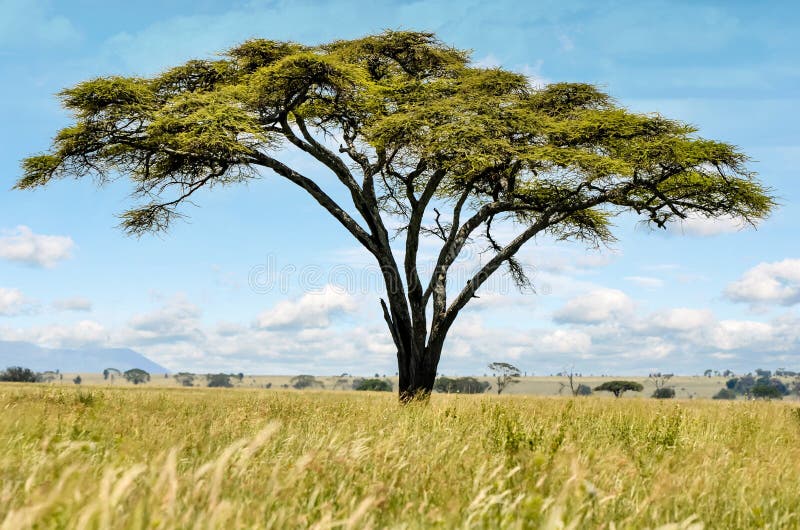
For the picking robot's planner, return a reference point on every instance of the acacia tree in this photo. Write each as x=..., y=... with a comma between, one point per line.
x=412, y=131
x=506, y=374
x=619, y=387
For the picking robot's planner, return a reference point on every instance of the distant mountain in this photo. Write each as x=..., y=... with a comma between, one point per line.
x=88, y=360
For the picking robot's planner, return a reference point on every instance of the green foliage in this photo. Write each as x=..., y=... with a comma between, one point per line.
x=746, y=385
x=619, y=387
x=766, y=391
x=583, y=390
x=208, y=123
x=305, y=381
x=136, y=376
x=374, y=385
x=19, y=374
x=725, y=393
x=664, y=393
x=77, y=380
x=219, y=380
x=460, y=385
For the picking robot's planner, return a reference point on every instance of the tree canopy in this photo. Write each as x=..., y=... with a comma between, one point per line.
x=136, y=376
x=409, y=127
x=619, y=387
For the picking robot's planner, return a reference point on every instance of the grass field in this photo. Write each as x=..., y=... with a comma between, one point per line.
x=76, y=457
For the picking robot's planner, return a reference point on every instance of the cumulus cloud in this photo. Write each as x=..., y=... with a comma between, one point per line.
x=566, y=341
x=707, y=226
x=176, y=320
x=741, y=334
x=595, y=307
x=23, y=246
x=678, y=319
x=81, y=334
x=13, y=302
x=75, y=303
x=768, y=283
x=312, y=310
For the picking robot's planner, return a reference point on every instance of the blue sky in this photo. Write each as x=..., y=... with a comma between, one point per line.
x=249, y=282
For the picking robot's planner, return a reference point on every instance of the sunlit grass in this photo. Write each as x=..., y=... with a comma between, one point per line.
x=164, y=458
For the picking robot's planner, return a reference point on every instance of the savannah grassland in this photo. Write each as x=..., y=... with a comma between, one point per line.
x=125, y=457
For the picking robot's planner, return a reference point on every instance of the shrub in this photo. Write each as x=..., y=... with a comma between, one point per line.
x=375, y=385
x=219, y=380
x=725, y=393
x=766, y=391
x=184, y=378
x=460, y=385
x=664, y=393
x=583, y=390
x=305, y=381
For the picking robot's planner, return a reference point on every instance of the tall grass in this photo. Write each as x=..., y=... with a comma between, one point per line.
x=144, y=458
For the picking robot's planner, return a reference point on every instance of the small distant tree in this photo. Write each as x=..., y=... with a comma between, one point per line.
x=77, y=380
x=619, y=387
x=240, y=376
x=460, y=385
x=184, y=378
x=505, y=374
x=136, y=376
x=19, y=374
x=306, y=381
x=575, y=388
x=374, y=385
x=763, y=373
x=111, y=373
x=708, y=372
x=725, y=393
x=219, y=380
x=664, y=393
x=48, y=376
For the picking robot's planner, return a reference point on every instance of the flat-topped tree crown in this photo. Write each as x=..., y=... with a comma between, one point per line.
x=403, y=122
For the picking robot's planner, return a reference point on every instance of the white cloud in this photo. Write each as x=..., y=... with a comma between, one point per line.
x=566, y=341
x=81, y=334
x=741, y=334
x=176, y=320
x=22, y=245
x=312, y=310
x=646, y=281
x=707, y=226
x=13, y=302
x=594, y=307
x=75, y=303
x=680, y=319
x=768, y=283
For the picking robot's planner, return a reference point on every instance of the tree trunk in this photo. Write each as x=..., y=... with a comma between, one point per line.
x=416, y=382
x=416, y=362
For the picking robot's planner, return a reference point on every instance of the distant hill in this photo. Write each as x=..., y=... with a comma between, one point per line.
x=87, y=360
